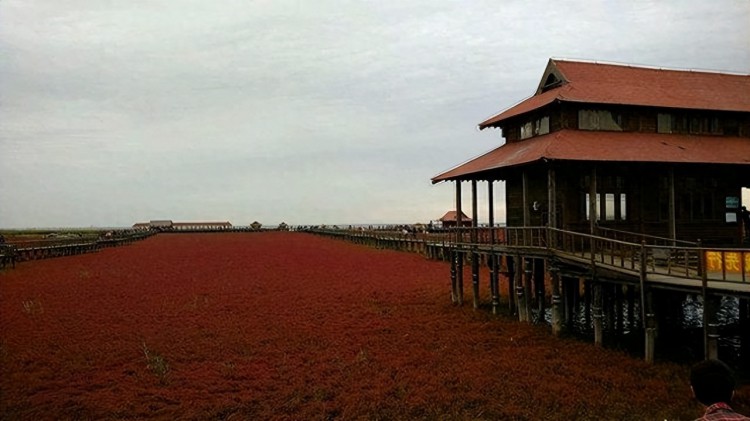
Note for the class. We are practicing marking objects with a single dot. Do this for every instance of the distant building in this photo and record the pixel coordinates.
(168, 225)
(449, 220)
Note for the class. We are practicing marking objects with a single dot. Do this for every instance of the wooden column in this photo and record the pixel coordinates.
(557, 317)
(459, 256)
(593, 209)
(494, 259)
(551, 199)
(672, 210)
(454, 285)
(711, 329)
(512, 269)
(520, 290)
(474, 239)
(598, 315)
(527, 282)
(525, 199)
(650, 330)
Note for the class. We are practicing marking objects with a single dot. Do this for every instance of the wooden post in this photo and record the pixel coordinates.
(454, 285)
(512, 269)
(474, 239)
(519, 281)
(650, 331)
(525, 199)
(527, 280)
(539, 290)
(672, 217)
(494, 259)
(551, 201)
(593, 210)
(597, 310)
(711, 329)
(557, 318)
(459, 239)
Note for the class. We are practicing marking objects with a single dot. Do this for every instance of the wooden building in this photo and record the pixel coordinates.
(615, 176)
(451, 220)
(646, 150)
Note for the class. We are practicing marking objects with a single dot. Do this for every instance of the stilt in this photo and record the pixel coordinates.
(710, 308)
(597, 310)
(745, 332)
(527, 282)
(557, 317)
(495, 281)
(650, 328)
(587, 300)
(630, 294)
(459, 278)
(454, 285)
(521, 299)
(619, 311)
(512, 269)
(540, 293)
(475, 277)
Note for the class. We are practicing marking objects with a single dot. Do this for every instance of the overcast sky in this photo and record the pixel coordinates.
(309, 112)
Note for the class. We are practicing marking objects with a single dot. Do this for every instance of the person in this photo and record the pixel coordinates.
(745, 218)
(712, 383)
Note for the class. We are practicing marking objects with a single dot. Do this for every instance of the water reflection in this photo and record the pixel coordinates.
(680, 333)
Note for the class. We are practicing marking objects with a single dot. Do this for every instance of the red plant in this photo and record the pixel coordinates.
(293, 326)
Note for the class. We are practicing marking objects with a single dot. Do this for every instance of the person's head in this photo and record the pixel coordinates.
(712, 381)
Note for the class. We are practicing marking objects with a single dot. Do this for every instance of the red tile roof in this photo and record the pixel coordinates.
(599, 83)
(450, 216)
(579, 145)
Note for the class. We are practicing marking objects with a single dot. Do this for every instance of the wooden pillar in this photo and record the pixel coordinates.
(525, 198)
(539, 290)
(593, 209)
(557, 317)
(630, 297)
(520, 290)
(512, 269)
(527, 282)
(454, 285)
(619, 311)
(711, 328)
(459, 255)
(672, 216)
(474, 239)
(587, 301)
(650, 328)
(597, 310)
(744, 311)
(551, 207)
(494, 259)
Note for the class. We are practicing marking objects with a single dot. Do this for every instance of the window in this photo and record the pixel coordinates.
(599, 120)
(526, 131)
(664, 123)
(615, 207)
(536, 127)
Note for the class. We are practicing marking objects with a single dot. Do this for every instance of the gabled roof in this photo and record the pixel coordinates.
(581, 145)
(599, 83)
(450, 216)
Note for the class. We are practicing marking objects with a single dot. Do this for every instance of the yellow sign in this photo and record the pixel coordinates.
(727, 261)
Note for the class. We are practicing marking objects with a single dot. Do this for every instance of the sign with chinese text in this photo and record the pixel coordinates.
(728, 261)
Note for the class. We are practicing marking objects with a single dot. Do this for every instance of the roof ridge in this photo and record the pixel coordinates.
(649, 66)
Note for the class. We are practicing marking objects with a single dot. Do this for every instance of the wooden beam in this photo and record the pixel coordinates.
(474, 254)
(672, 210)
(593, 210)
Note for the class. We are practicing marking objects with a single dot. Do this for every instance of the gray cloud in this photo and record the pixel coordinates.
(309, 112)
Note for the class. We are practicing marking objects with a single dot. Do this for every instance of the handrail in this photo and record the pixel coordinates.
(682, 261)
(641, 236)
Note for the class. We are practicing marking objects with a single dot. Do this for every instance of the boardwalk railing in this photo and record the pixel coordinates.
(632, 253)
(23, 250)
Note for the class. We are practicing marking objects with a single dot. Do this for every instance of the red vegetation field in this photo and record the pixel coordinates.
(293, 326)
